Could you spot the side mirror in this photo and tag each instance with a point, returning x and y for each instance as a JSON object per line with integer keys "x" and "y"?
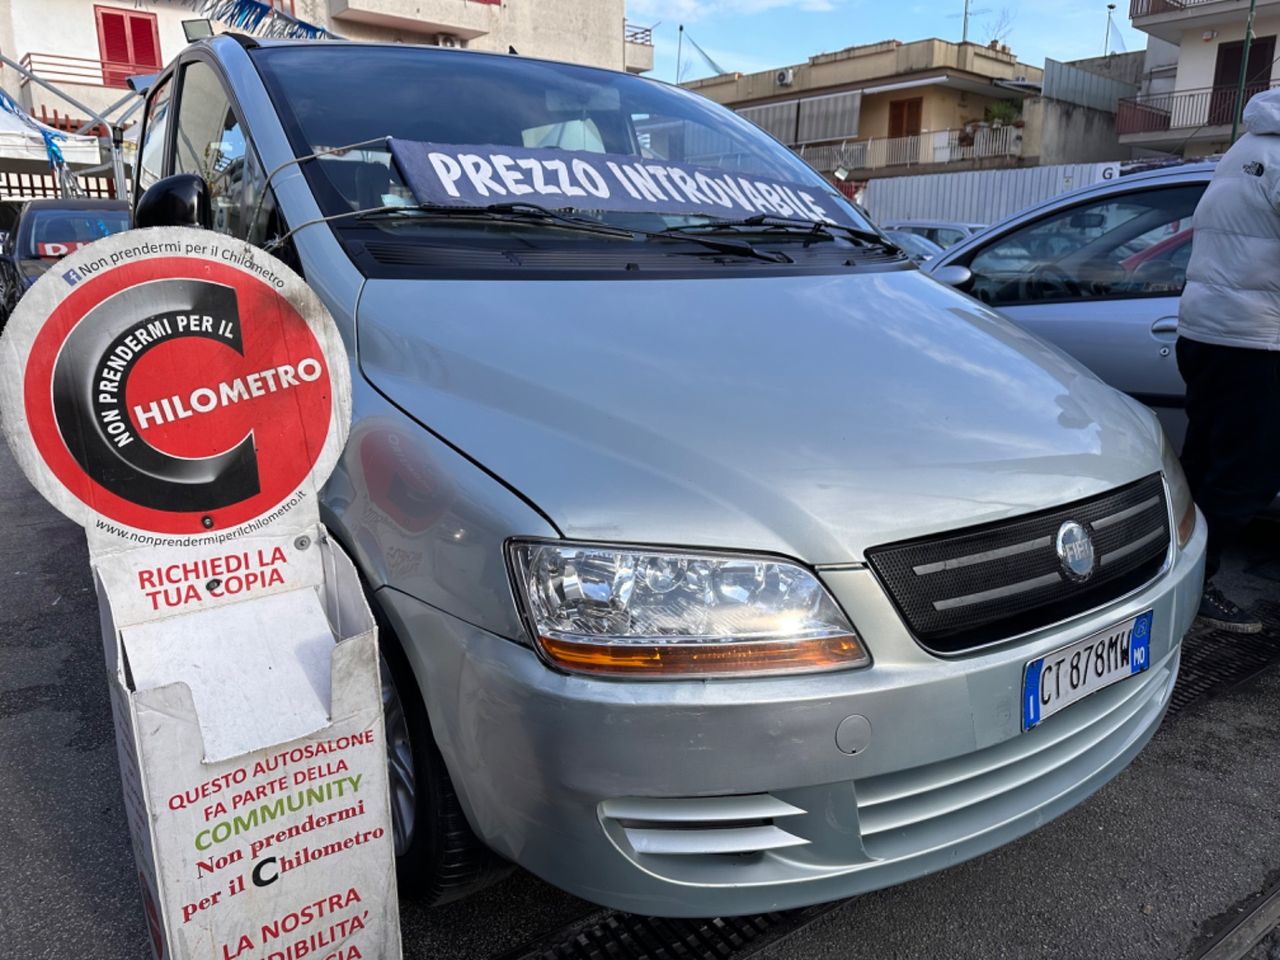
{"x": 181, "y": 200}
{"x": 953, "y": 275}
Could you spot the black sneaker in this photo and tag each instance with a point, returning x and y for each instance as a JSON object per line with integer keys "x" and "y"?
{"x": 1219, "y": 612}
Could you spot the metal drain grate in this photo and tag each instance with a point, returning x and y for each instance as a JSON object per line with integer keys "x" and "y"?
{"x": 621, "y": 936}
{"x": 1214, "y": 660}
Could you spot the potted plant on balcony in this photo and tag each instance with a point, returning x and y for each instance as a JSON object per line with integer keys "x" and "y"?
{"x": 1003, "y": 112}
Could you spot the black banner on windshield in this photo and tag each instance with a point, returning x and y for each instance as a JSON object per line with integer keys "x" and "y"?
{"x": 477, "y": 176}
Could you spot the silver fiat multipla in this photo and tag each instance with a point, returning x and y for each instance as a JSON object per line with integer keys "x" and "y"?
{"x": 725, "y": 562}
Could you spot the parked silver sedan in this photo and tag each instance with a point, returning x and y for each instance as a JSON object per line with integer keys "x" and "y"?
{"x": 1098, "y": 272}
{"x": 944, "y": 233}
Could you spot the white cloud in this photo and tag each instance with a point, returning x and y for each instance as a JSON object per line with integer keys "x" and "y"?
{"x": 690, "y": 11}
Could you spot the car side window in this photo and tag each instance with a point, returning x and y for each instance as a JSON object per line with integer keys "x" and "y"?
{"x": 212, "y": 143}
{"x": 1133, "y": 245}
{"x": 151, "y": 149}
{"x": 947, "y": 236}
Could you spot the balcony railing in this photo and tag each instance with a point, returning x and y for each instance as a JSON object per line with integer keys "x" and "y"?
{"x": 1182, "y": 109}
{"x": 1151, "y": 8}
{"x": 943, "y": 146}
{"x": 59, "y": 68}
{"x": 635, "y": 34}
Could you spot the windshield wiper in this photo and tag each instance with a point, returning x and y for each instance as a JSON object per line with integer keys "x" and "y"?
{"x": 521, "y": 212}
{"x": 799, "y": 227}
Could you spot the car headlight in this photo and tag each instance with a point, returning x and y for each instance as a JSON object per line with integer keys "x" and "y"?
{"x": 1184, "y": 508}
{"x": 638, "y": 612}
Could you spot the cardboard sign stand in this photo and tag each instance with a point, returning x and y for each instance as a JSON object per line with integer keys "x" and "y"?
{"x": 296, "y": 826}
{"x": 241, "y": 655}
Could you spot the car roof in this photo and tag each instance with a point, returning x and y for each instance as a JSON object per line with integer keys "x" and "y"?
{"x": 1179, "y": 173}
{"x": 270, "y": 43}
{"x": 1173, "y": 174}
{"x": 890, "y": 224}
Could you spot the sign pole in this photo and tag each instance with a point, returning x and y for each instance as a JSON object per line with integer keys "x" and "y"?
{"x": 1238, "y": 112}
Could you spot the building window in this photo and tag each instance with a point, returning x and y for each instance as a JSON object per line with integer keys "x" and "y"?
{"x": 1226, "y": 75}
{"x": 128, "y": 44}
{"x": 905, "y": 117}
{"x": 284, "y": 6}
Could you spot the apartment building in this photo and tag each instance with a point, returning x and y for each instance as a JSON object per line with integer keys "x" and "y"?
{"x": 87, "y": 48}
{"x": 894, "y": 108}
{"x": 1195, "y": 52}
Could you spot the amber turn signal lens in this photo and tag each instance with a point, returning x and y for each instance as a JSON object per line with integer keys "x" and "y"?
{"x": 668, "y": 661}
{"x": 1187, "y": 525}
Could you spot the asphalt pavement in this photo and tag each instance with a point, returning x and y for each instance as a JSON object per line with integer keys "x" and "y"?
{"x": 1154, "y": 865}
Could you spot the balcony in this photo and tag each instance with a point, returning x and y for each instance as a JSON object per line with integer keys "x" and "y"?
{"x": 1150, "y": 8}
{"x": 464, "y": 19}
{"x": 638, "y": 48}
{"x": 1203, "y": 114}
{"x": 938, "y": 148}
{"x": 1167, "y": 19}
{"x": 95, "y": 83}
{"x": 59, "y": 68}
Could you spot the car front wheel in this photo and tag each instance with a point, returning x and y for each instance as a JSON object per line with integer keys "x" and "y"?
{"x": 438, "y": 857}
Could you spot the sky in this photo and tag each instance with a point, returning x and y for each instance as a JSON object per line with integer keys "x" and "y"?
{"x": 751, "y": 35}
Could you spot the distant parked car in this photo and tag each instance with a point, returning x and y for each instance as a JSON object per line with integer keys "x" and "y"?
{"x": 918, "y": 248}
{"x": 944, "y": 233}
{"x": 1098, "y": 272}
{"x": 47, "y": 230}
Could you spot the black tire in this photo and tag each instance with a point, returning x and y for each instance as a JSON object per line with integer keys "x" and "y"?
{"x": 442, "y": 860}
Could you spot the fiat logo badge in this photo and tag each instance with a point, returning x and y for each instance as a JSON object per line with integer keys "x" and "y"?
{"x": 1075, "y": 551}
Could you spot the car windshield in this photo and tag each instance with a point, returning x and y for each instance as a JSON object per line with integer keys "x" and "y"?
{"x": 330, "y": 98}
{"x": 921, "y": 248}
{"x": 55, "y": 233}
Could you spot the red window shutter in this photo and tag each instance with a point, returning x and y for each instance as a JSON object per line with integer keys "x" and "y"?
{"x": 113, "y": 45}
{"x": 145, "y": 40}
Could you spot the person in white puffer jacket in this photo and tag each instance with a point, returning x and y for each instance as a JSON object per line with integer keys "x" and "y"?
{"x": 1229, "y": 346}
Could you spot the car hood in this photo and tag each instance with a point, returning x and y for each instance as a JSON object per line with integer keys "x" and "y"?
{"x": 808, "y": 416}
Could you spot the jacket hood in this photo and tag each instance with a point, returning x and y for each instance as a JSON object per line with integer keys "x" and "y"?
{"x": 800, "y": 415}
{"x": 1262, "y": 113}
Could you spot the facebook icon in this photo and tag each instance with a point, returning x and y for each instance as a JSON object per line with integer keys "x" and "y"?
{"x": 71, "y": 277}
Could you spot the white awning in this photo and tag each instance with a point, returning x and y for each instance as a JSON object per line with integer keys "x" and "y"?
{"x": 22, "y": 148}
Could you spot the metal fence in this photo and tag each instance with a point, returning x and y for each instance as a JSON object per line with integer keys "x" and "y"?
{"x": 942, "y": 146}
{"x": 60, "y": 68}
{"x": 1182, "y": 109}
{"x": 31, "y": 186}
{"x": 1065, "y": 82}
{"x": 1147, "y": 8}
{"x": 979, "y": 196}
{"x": 632, "y": 33}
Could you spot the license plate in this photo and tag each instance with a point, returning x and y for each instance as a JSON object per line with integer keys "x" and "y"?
{"x": 1059, "y": 679}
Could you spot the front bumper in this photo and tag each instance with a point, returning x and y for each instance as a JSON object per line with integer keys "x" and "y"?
{"x": 721, "y": 797}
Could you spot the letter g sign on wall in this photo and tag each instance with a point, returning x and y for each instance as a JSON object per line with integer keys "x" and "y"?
{"x": 173, "y": 381}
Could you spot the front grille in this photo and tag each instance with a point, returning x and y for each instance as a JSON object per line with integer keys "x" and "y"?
{"x": 703, "y": 826}
{"x": 908, "y": 812}
{"x": 974, "y": 587}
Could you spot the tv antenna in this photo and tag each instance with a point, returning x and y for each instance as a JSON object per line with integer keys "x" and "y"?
{"x": 966, "y": 15}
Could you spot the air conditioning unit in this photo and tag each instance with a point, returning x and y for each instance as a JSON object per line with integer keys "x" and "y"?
{"x": 447, "y": 40}
{"x": 785, "y": 78}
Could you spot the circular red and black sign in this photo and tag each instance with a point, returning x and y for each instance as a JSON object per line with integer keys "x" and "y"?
{"x": 174, "y": 381}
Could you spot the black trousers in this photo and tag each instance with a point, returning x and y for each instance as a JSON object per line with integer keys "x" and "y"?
{"x": 1232, "y": 452}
